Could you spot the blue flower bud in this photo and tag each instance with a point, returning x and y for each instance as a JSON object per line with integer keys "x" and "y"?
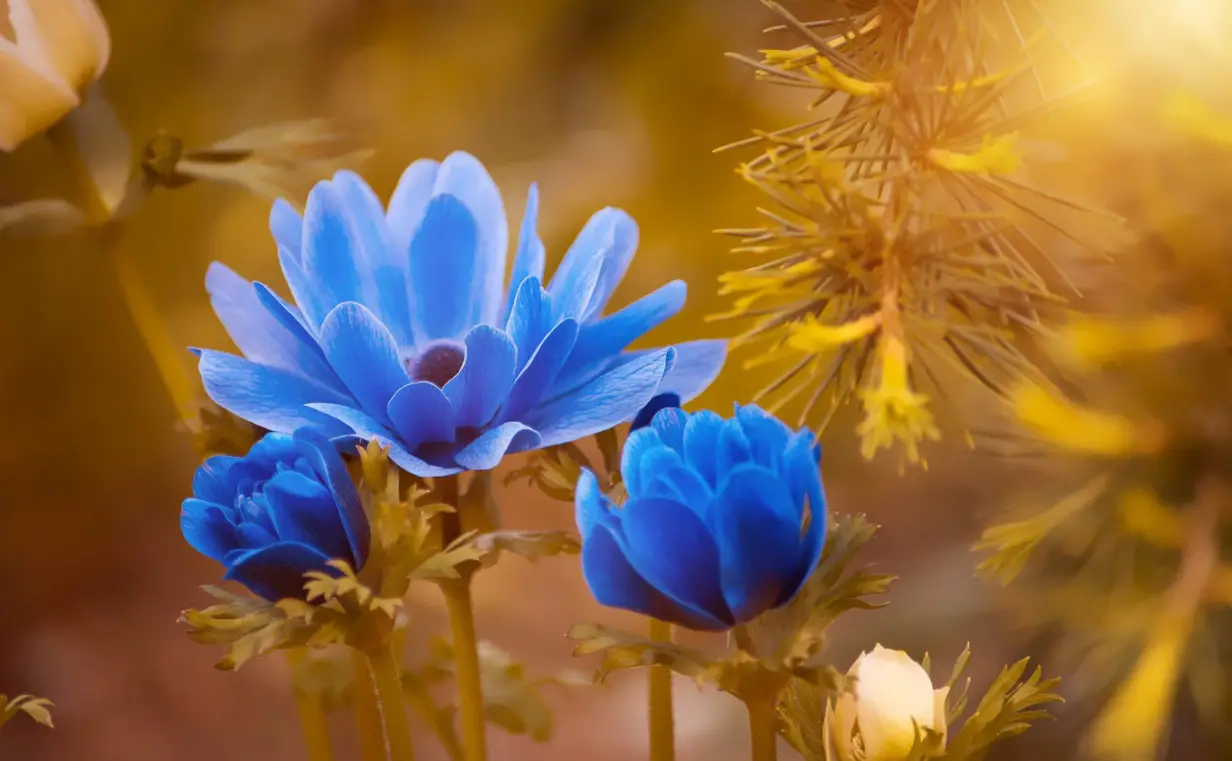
{"x": 725, "y": 519}
{"x": 287, "y": 507}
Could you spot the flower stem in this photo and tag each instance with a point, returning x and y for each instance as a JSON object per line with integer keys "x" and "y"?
{"x": 367, "y": 710}
{"x": 311, "y": 711}
{"x": 462, "y": 626}
{"x": 763, "y": 727}
{"x": 165, "y": 352}
{"x": 662, "y": 721}
{"x": 387, "y": 678}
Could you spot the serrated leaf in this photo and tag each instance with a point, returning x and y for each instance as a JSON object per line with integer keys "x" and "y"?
{"x": 794, "y": 634}
{"x": 531, "y": 545}
{"x": 217, "y": 431}
{"x": 512, "y": 698}
{"x": 554, "y": 470}
{"x": 801, "y": 708}
{"x": 1007, "y": 708}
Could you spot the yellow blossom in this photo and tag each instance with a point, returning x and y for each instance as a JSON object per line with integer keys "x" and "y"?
{"x": 998, "y": 155}
{"x": 812, "y": 335}
{"x": 1081, "y": 429}
{"x": 893, "y": 411}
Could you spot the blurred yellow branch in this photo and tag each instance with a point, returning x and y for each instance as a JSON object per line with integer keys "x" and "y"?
{"x": 1134, "y": 723}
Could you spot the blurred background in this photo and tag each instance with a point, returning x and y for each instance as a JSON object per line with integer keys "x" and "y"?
{"x": 602, "y": 102}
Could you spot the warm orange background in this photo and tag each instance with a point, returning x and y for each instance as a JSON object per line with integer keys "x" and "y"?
{"x": 604, "y": 102}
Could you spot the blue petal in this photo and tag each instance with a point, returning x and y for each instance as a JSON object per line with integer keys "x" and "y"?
{"x": 606, "y": 401}
{"x": 311, "y": 359}
{"x": 697, "y": 365}
{"x": 615, "y": 583}
{"x": 483, "y": 384}
{"x": 331, "y": 470}
{"x": 485, "y": 452}
{"x": 669, "y": 547}
{"x": 591, "y": 506}
{"x": 571, "y": 290}
{"x": 530, "y": 259}
{"x": 443, "y": 261}
{"x": 605, "y": 246}
{"x": 646, "y": 414}
{"x": 277, "y": 571}
{"x": 303, "y": 511}
{"x": 361, "y": 423}
{"x": 670, "y": 423}
{"x": 535, "y": 379}
{"x": 804, "y": 479}
{"x": 758, "y": 540}
{"x": 638, "y": 445}
{"x": 653, "y": 462}
{"x": 680, "y": 484}
{"x": 599, "y": 341}
{"x": 415, "y": 465}
{"x": 308, "y": 297}
{"x": 701, "y": 444}
{"x": 421, "y": 413}
{"x": 287, "y": 226}
{"x": 465, "y": 178}
{"x": 333, "y": 253}
{"x": 364, "y": 354}
{"x": 212, "y": 482}
{"x": 383, "y": 265}
{"x": 259, "y": 336}
{"x": 530, "y": 319}
{"x": 734, "y": 447}
{"x": 409, "y": 201}
{"x": 205, "y": 527}
{"x": 271, "y": 398}
{"x": 768, "y": 436}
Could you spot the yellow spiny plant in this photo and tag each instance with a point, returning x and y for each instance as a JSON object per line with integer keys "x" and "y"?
{"x": 1124, "y": 551}
{"x": 905, "y": 238}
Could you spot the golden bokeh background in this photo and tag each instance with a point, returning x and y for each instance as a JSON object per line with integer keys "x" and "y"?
{"x": 602, "y": 102}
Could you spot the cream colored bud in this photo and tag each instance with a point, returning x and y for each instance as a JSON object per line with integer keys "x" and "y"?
{"x": 60, "y": 48}
{"x": 893, "y": 697}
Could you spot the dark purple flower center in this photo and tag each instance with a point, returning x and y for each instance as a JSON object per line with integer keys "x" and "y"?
{"x": 438, "y": 363}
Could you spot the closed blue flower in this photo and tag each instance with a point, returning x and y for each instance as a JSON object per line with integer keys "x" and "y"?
{"x": 725, "y": 519}
{"x": 403, "y": 329}
{"x": 285, "y": 508}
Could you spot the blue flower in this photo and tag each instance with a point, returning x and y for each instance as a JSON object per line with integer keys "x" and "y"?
{"x": 403, "y": 330}
{"x": 285, "y": 508}
{"x": 725, "y": 519}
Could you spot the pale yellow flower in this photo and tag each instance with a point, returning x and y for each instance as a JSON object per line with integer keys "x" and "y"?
{"x": 893, "y": 701}
{"x": 60, "y": 48}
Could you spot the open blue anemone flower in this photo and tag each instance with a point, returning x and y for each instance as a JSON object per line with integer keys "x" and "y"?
{"x": 725, "y": 519}
{"x": 285, "y": 508}
{"x": 403, "y": 329}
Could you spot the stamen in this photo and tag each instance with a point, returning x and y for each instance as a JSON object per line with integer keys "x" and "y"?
{"x": 438, "y": 363}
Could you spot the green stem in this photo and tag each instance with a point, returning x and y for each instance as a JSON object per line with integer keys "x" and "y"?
{"x": 462, "y": 626}
{"x": 367, "y": 710}
{"x": 165, "y": 352}
{"x": 387, "y": 678}
{"x": 763, "y": 727}
{"x": 662, "y": 721}
{"x": 311, "y": 711}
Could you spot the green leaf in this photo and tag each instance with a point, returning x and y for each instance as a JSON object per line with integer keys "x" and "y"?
{"x": 531, "y": 545}
{"x": 1007, "y": 709}
{"x": 554, "y": 470}
{"x": 801, "y": 708}
{"x": 35, "y": 708}
{"x": 217, "y": 431}
{"x": 512, "y": 699}
{"x": 622, "y": 650}
{"x": 793, "y": 635}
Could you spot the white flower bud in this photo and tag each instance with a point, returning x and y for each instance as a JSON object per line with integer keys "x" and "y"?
{"x": 60, "y": 48}
{"x": 893, "y": 696}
